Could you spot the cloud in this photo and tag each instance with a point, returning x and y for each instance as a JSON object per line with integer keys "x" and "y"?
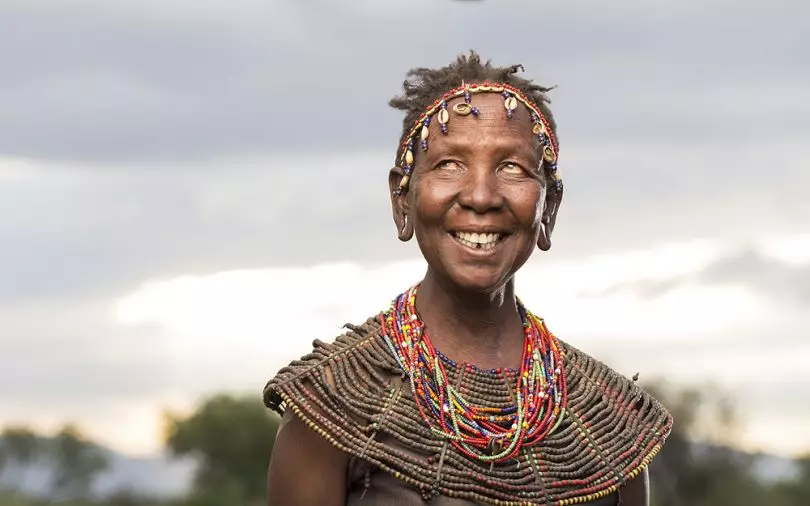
{"x": 262, "y": 319}
{"x": 69, "y": 361}
{"x": 113, "y": 365}
{"x": 187, "y": 139}
{"x": 747, "y": 268}
{"x": 777, "y": 280}
{"x": 190, "y": 80}
{"x": 65, "y": 354}
{"x": 78, "y": 229}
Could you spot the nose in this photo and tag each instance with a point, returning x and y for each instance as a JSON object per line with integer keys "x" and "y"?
{"x": 480, "y": 191}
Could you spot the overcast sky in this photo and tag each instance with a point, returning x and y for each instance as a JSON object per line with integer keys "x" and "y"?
{"x": 183, "y": 182}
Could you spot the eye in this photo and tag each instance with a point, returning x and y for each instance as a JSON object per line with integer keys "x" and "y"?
{"x": 512, "y": 168}
{"x": 448, "y": 165}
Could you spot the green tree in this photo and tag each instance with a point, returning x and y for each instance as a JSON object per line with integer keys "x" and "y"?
{"x": 19, "y": 448}
{"x": 232, "y": 438}
{"x": 3, "y": 458}
{"x": 795, "y": 492}
{"x": 77, "y": 462}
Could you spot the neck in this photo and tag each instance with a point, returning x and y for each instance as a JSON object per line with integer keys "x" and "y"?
{"x": 479, "y": 328}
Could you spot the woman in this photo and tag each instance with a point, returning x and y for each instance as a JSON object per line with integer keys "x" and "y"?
{"x": 457, "y": 394}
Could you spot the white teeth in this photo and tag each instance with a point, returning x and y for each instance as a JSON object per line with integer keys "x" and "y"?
{"x": 477, "y": 240}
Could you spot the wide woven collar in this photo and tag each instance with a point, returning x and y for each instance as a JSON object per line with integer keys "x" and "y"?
{"x": 352, "y": 393}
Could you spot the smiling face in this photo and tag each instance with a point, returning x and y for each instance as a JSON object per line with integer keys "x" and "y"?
{"x": 477, "y": 199}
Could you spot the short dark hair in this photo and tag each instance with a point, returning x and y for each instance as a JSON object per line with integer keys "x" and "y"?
{"x": 424, "y": 86}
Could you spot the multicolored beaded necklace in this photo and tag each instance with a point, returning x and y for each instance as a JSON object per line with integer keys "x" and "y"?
{"x": 481, "y": 433}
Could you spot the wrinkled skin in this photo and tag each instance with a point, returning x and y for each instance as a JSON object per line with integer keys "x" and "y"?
{"x": 485, "y": 176}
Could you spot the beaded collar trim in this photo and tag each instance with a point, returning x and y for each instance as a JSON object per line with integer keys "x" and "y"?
{"x": 421, "y": 131}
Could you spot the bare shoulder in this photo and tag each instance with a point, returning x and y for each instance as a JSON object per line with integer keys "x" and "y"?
{"x": 322, "y": 398}
{"x": 305, "y": 468}
{"x": 637, "y": 491}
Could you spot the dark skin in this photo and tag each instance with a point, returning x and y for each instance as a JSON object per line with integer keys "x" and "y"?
{"x": 485, "y": 176}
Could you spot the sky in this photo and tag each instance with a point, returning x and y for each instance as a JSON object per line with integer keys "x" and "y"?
{"x": 193, "y": 191}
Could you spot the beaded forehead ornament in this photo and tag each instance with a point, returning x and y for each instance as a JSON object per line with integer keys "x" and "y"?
{"x": 512, "y": 96}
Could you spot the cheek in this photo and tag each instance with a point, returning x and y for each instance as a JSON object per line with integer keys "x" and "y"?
{"x": 427, "y": 206}
{"x": 530, "y": 206}
{"x": 540, "y": 207}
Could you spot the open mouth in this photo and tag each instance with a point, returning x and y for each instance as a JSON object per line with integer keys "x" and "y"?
{"x": 480, "y": 241}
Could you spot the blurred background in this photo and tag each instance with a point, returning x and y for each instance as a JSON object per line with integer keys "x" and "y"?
{"x": 193, "y": 191}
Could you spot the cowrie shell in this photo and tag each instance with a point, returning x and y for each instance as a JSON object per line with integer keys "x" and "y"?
{"x": 548, "y": 154}
{"x": 462, "y": 109}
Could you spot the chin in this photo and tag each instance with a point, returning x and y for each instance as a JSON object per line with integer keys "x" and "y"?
{"x": 482, "y": 281}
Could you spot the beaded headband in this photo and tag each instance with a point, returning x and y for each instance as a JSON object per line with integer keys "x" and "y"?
{"x": 512, "y": 96}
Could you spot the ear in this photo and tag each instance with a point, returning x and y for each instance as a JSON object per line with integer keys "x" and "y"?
{"x": 400, "y": 205}
{"x": 552, "y": 205}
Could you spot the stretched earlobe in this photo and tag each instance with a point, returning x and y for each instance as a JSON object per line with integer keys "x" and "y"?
{"x": 553, "y": 200}
{"x": 399, "y": 205}
{"x": 544, "y": 240}
{"x": 406, "y": 232}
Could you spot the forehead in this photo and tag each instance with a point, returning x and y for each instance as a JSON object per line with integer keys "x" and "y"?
{"x": 491, "y": 128}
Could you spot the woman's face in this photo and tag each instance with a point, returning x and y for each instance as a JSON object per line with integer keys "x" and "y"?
{"x": 477, "y": 196}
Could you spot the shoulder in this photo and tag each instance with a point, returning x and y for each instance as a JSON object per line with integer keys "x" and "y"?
{"x": 329, "y": 388}
{"x": 326, "y": 359}
{"x": 348, "y": 392}
{"x": 591, "y": 382}
{"x": 623, "y": 425}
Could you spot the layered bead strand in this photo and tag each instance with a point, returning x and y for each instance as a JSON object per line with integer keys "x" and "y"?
{"x": 481, "y": 433}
